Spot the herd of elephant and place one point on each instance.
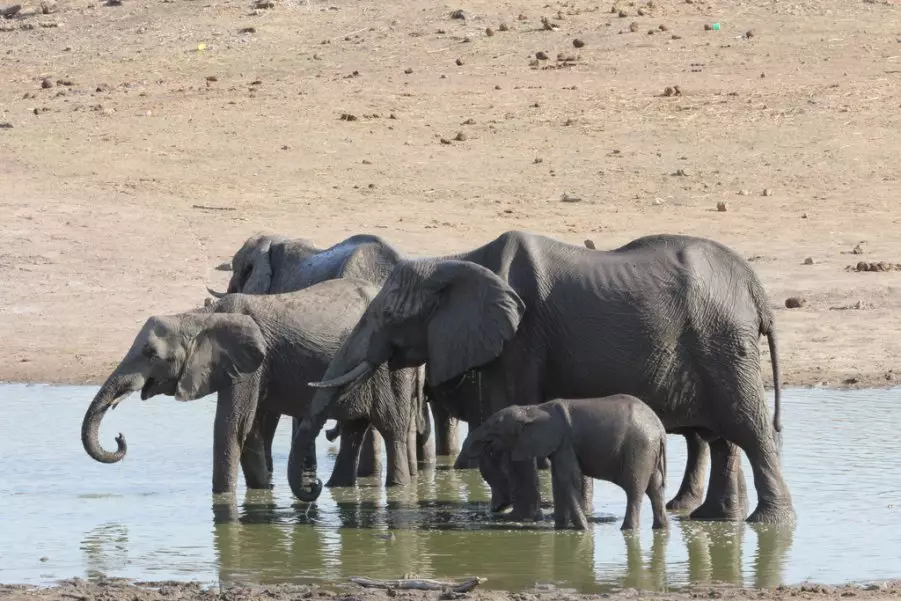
(375, 340)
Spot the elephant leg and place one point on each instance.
(756, 438)
(568, 486)
(414, 449)
(345, 471)
(268, 426)
(398, 472)
(691, 492)
(727, 497)
(257, 473)
(525, 491)
(634, 496)
(233, 424)
(656, 493)
(587, 500)
(544, 463)
(371, 455)
(446, 440)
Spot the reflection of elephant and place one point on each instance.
(267, 264)
(618, 439)
(258, 353)
(673, 320)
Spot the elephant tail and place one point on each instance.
(769, 331)
(661, 460)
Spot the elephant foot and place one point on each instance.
(340, 481)
(722, 509)
(466, 463)
(684, 502)
(782, 514)
(526, 515)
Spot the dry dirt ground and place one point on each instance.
(174, 591)
(142, 142)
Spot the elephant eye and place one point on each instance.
(148, 352)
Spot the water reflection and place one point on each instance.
(152, 516)
(262, 541)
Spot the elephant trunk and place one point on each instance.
(109, 395)
(302, 461)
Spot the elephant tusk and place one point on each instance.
(216, 294)
(363, 368)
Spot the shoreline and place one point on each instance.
(115, 589)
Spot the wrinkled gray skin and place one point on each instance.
(617, 438)
(258, 353)
(673, 320)
(269, 264)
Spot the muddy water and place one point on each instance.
(152, 515)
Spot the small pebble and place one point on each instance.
(459, 62)
(809, 261)
(460, 137)
(489, 32)
(46, 83)
(408, 70)
(633, 27)
(767, 192)
(721, 207)
(541, 55)
(503, 27)
(578, 43)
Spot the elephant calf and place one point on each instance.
(617, 438)
(258, 353)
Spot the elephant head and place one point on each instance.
(451, 315)
(187, 356)
(251, 266)
(525, 432)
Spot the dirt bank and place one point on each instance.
(141, 143)
(115, 590)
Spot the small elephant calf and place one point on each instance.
(616, 438)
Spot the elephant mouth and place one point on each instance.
(154, 387)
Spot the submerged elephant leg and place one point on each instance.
(691, 492)
(345, 471)
(371, 455)
(587, 500)
(398, 472)
(727, 496)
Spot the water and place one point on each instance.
(152, 516)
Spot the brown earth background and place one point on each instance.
(170, 132)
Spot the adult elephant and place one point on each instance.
(269, 264)
(258, 353)
(673, 320)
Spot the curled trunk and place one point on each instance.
(108, 396)
(302, 478)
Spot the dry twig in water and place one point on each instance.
(417, 584)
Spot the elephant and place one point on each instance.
(258, 353)
(270, 264)
(673, 320)
(617, 438)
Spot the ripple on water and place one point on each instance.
(152, 516)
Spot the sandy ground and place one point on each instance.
(174, 591)
(169, 131)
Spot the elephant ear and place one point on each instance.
(540, 437)
(227, 346)
(476, 314)
(260, 279)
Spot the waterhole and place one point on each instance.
(152, 516)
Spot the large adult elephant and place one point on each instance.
(258, 353)
(673, 320)
(269, 264)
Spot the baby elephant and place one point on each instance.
(617, 438)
